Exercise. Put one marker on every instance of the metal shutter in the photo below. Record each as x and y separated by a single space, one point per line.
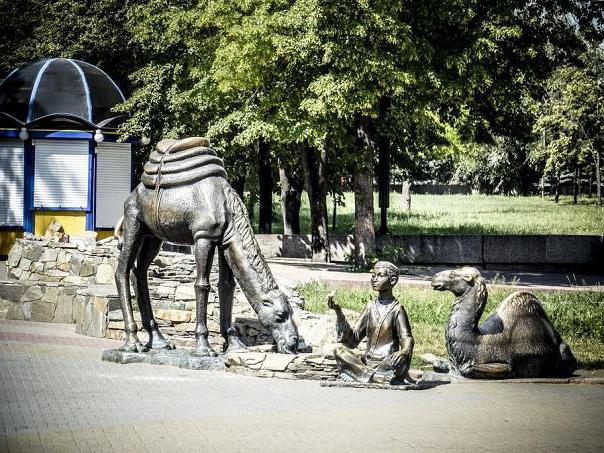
112 182
11 183
61 174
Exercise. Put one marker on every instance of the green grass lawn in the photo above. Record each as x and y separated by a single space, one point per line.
578 316
467 214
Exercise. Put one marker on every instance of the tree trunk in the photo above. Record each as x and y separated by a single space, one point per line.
576 184
314 171
334 215
238 184
364 231
598 178
557 188
291 197
384 183
265 179
406 195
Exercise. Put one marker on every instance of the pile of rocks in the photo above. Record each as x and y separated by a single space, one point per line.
267 364
74 282
80 262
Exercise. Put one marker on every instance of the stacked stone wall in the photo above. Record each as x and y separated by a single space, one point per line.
74 283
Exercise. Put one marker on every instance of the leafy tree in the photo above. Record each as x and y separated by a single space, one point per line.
92 30
571 119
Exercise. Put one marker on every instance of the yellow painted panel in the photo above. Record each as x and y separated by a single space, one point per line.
104 234
74 222
7 239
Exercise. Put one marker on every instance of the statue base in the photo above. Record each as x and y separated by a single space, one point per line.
180 358
360 385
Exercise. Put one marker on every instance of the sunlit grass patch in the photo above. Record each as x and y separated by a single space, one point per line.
467 214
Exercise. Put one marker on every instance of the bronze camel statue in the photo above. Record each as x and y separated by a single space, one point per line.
184 198
518 340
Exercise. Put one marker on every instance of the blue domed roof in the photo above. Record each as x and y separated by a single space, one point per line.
59 91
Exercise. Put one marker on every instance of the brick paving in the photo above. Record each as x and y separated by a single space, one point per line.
57 395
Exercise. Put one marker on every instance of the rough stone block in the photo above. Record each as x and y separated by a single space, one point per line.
277 362
42 311
4 306
49 255
174 315
185 292
25 264
33 252
185 327
105 274
50 295
19 312
15 273
11 291
64 309
165 291
32 293
91 317
14 255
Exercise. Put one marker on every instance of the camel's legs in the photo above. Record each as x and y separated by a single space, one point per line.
148 251
133 237
226 291
204 253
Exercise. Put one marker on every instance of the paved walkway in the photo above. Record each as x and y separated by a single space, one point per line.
292 271
57 395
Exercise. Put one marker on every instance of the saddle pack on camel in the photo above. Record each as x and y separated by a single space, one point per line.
178 162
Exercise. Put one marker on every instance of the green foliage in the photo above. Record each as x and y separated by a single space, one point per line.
571 116
578 316
93 31
498 168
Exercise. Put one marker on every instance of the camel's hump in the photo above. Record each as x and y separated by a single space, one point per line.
181 162
178 145
519 302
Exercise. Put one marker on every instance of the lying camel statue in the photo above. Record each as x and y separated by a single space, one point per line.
185 198
518 340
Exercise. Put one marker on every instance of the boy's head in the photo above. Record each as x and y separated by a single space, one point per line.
384 276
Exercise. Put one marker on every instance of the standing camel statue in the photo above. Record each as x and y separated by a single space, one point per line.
518 340
185 198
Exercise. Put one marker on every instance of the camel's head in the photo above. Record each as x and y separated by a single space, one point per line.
276 314
458 281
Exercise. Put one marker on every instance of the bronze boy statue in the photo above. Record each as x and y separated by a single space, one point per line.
384 322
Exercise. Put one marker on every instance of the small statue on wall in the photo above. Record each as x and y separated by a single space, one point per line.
384 322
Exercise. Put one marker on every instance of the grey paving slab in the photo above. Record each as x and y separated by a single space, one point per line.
60 396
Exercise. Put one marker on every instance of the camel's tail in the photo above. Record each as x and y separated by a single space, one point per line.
568 362
117 232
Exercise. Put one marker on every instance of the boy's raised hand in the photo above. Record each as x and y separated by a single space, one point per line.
330 301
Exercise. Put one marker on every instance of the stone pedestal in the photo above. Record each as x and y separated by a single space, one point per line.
176 357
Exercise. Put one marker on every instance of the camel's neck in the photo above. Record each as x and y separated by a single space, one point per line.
245 258
256 281
462 329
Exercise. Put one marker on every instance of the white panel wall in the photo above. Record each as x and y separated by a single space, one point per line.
11 182
112 182
61 174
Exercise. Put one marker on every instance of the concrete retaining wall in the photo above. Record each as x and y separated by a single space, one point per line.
550 250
